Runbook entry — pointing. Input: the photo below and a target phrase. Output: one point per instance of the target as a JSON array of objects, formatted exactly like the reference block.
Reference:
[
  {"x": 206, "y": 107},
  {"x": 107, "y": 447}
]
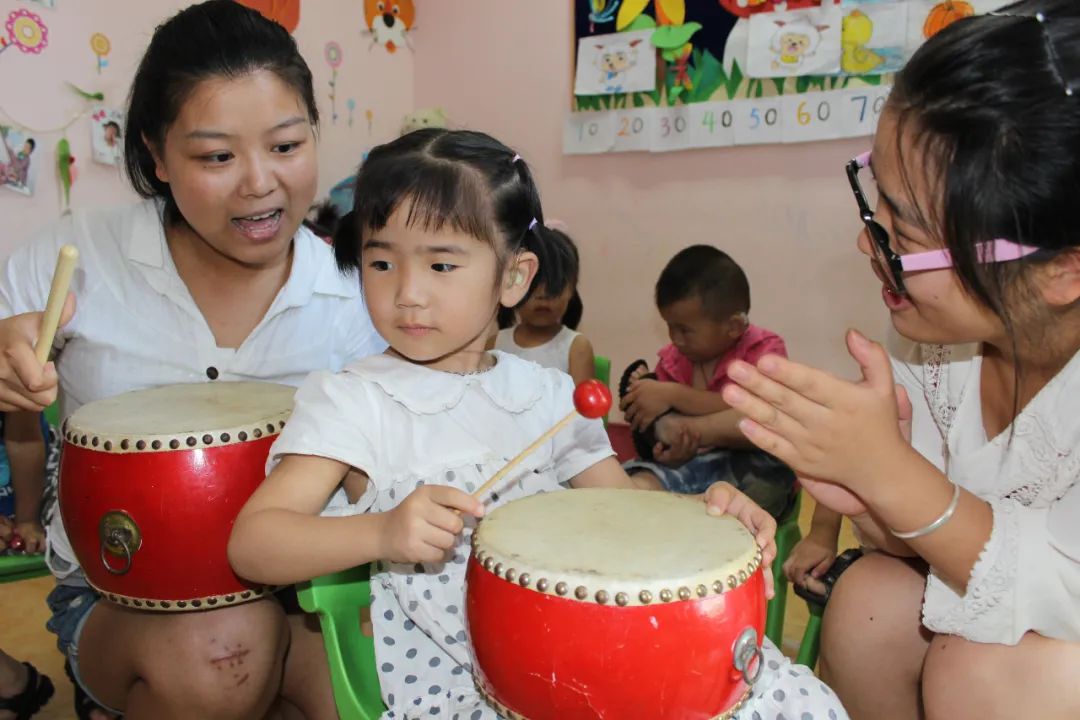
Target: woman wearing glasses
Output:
[{"x": 965, "y": 473}]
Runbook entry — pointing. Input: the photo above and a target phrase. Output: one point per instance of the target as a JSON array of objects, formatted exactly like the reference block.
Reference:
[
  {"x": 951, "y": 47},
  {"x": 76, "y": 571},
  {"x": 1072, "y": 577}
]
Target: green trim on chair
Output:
[
  {"x": 811, "y": 639},
  {"x": 337, "y": 599},
  {"x": 787, "y": 536},
  {"x": 14, "y": 568},
  {"x": 602, "y": 371}
]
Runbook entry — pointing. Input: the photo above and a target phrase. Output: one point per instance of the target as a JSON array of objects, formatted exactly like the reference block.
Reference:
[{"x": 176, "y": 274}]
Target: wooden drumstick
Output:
[
  {"x": 592, "y": 399},
  {"x": 65, "y": 268}
]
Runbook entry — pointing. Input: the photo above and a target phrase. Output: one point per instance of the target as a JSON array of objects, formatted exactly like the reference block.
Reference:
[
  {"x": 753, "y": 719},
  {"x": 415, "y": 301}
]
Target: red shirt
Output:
[{"x": 751, "y": 346}]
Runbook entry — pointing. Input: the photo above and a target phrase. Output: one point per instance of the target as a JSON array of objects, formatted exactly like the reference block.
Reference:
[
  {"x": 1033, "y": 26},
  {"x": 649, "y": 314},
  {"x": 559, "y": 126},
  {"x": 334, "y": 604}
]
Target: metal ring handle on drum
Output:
[
  {"x": 744, "y": 652},
  {"x": 120, "y": 537}
]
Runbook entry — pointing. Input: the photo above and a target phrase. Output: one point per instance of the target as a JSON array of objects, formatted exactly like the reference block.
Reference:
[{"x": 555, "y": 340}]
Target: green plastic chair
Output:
[
  {"x": 14, "y": 568},
  {"x": 787, "y": 536},
  {"x": 337, "y": 599},
  {"x": 602, "y": 370},
  {"x": 811, "y": 639}
]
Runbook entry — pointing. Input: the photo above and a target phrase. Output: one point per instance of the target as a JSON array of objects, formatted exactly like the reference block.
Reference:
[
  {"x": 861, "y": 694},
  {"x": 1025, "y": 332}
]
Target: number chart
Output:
[{"x": 783, "y": 119}]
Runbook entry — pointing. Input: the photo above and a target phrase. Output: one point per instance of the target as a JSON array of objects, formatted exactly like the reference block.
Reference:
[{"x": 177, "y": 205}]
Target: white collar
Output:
[
  {"x": 513, "y": 384},
  {"x": 313, "y": 268}
]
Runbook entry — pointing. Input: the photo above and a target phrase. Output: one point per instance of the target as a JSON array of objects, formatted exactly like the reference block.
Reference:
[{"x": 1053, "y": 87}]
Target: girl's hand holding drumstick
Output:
[{"x": 27, "y": 380}]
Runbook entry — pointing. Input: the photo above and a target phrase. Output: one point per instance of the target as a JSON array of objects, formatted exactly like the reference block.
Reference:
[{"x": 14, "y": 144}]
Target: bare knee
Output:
[
  {"x": 873, "y": 613},
  {"x": 223, "y": 663}
]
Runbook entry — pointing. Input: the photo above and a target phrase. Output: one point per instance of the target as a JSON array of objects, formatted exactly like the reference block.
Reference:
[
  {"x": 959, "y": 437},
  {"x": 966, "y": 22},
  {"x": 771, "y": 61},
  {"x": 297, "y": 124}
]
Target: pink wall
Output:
[
  {"x": 784, "y": 212},
  {"x": 32, "y": 89}
]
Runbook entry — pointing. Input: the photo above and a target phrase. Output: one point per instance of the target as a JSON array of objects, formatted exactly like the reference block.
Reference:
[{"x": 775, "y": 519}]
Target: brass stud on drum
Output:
[
  {"x": 602, "y": 597},
  {"x": 732, "y": 582},
  {"x": 718, "y": 587},
  {"x": 702, "y": 591},
  {"x": 581, "y": 592},
  {"x": 665, "y": 595},
  {"x": 511, "y": 575},
  {"x": 684, "y": 593},
  {"x": 621, "y": 599},
  {"x": 524, "y": 580},
  {"x": 561, "y": 588},
  {"x": 645, "y": 597},
  {"x": 542, "y": 584}
]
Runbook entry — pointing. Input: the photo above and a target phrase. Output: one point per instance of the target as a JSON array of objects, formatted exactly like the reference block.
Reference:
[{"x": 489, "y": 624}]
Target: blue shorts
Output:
[
  {"x": 71, "y": 606},
  {"x": 764, "y": 479}
]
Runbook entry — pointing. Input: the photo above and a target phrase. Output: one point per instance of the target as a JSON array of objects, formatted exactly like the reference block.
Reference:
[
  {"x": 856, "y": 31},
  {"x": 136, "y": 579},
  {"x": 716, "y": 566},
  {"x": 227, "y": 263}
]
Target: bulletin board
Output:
[{"x": 665, "y": 75}]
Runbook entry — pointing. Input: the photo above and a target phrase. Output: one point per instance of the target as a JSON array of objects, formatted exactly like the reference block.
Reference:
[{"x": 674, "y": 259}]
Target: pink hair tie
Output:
[
  {"x": 516, "y": 158},
  {"x": 532, "y": 224}
]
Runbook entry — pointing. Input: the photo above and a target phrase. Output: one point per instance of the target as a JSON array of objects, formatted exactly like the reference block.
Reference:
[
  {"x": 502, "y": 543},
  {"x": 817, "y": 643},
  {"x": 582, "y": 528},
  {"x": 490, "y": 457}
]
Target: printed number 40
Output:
[{"x": 709, "y": 120}]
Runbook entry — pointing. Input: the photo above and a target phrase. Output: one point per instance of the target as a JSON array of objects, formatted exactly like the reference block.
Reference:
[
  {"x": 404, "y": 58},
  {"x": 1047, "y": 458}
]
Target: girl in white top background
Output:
[
  {"x": 378, "y": 460},
  {"x": 546, "y": 329},
  {"x": 966, "y": 476}
]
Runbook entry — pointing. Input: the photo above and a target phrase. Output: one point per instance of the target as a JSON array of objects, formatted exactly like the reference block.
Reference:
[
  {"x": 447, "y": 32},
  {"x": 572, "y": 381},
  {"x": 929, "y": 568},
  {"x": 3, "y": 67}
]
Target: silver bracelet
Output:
[{"x": 942, "y": 519}]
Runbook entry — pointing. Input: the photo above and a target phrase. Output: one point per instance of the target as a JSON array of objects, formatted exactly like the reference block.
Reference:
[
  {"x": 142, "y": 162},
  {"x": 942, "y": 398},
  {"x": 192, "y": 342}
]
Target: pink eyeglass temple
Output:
[{"x": 999, "y": 250}]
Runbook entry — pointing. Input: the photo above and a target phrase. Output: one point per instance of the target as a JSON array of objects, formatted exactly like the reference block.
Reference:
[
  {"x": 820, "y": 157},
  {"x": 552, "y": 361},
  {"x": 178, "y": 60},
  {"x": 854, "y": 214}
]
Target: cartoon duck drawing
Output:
[{"x": 856, "y": 30}]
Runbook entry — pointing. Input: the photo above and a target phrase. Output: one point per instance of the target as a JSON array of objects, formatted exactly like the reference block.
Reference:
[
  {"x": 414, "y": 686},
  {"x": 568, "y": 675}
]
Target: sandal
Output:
[
  {"x": 840, "y": 564},
  {"x": 34, "y": 696},
  {"x": 644, "y": 440}
]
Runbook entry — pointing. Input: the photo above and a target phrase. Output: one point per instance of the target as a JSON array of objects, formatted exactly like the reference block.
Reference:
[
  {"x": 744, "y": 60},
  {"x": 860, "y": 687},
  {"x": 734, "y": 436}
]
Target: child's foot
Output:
[{"x": 36, "y": 689}]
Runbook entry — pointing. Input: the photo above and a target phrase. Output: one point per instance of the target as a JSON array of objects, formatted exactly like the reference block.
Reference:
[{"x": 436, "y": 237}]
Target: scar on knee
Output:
[{"x": 235, "y": 658}]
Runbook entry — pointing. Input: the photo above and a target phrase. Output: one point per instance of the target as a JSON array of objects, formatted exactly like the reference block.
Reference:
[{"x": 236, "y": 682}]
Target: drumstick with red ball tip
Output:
[
  {"x": 592, "y": 399},
  {"x": 50, "y": 320}
]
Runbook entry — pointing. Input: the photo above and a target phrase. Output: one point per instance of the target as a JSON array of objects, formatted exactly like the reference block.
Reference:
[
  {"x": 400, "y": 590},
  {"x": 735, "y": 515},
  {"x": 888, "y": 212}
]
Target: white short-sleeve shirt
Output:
[
  {"x": 136, "y": 325},
  {"x": 405, "y": 425}
]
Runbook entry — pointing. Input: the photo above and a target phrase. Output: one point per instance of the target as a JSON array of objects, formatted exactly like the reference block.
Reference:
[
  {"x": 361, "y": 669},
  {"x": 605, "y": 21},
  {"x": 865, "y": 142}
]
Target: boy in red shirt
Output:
[{"x": 704, "y": 297}]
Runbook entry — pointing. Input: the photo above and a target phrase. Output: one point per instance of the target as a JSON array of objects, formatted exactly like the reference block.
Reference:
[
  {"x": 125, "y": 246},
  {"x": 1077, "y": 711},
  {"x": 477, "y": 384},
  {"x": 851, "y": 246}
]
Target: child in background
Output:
[
  {"x": 377, "y": 461},
  {"x": 546, "y": 330},
  {"x": 22, "y": 481},
  {"x": 704, "y": 297}
]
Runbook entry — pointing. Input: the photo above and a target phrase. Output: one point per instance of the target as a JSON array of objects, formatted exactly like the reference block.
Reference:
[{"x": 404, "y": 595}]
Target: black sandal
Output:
[
  {"x": 34, "y": 696},
  {"x": 644, "y": 440},
  {"x": 840, "y": 564}
]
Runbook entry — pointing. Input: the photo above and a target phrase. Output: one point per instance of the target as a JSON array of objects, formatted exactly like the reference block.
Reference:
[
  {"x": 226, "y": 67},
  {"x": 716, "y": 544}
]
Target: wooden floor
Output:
[{"x": 23, "y": 613}]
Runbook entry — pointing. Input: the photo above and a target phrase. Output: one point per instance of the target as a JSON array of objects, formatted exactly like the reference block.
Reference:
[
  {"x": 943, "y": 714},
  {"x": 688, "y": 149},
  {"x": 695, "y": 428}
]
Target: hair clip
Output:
[
  {"x": 532, "y": 224},
  {"x": 515, "y": 159}
]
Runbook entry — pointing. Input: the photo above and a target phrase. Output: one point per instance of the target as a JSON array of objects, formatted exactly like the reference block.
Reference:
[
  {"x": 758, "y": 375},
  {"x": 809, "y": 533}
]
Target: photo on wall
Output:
[
  {"x": 18, "y": 160},
  {"x": 107, "y": 135}
]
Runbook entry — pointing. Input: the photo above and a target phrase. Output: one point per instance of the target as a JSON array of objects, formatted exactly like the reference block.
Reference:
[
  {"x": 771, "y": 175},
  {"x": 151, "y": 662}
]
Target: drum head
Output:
[
  {"x": 627, "y": 547},
  {"x": 169, "y": 417}
]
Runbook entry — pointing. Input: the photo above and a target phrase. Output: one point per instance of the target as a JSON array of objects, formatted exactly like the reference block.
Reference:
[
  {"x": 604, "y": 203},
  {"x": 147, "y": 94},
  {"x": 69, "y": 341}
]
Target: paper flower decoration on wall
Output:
[
  {"x": 284, "y": 12},
  {"x": 26, "y": 31}
]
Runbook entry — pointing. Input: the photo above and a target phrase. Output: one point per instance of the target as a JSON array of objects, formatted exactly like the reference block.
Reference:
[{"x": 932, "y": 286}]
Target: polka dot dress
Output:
[
  {"x": 786, "y": 691},
  {"x": 407, "y": 426}
]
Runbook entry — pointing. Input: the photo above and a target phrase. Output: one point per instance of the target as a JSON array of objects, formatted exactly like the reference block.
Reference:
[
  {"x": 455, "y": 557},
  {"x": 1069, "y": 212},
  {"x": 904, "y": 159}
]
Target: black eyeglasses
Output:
[{"x": 894, "y": 266}]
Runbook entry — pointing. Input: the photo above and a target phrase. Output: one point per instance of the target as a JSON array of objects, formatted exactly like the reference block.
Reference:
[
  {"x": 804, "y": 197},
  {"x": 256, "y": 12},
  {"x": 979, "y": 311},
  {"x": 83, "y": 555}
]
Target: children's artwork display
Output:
[
  {"x": 740, "y": 72},
  {"x": 18, "y": 166}
]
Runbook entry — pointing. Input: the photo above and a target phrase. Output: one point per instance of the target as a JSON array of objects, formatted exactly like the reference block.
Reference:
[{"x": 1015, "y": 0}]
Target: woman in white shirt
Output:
[
  {"x": 210, "y": 278},
  {"x": 966, "y": 475}
]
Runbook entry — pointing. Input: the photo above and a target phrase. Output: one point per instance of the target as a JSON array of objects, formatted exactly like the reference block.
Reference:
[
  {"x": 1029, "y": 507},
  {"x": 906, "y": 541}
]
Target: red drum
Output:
[
  {"x": 151, "y": 482},
  {"x": 616, "y": 604}
]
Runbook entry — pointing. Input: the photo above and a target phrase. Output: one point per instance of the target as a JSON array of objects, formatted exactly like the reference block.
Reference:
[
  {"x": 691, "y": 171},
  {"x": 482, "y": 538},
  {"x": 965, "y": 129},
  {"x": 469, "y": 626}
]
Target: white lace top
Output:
[{"x": 1027, "y": 577}]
